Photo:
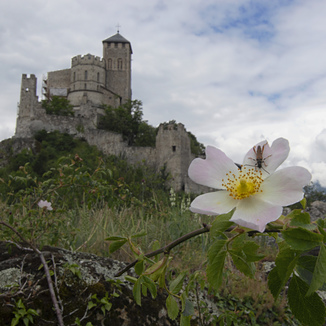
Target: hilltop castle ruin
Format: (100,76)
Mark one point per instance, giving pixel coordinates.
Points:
(88,84)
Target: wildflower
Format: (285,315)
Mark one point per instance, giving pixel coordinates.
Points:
(44,203)
(257,193)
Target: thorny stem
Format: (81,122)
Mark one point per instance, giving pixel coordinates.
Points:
(168,247)
(47,272)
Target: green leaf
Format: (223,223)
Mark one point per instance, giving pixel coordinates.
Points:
(309,310)
(188,308)
(151,286)
(172,307)
(130,279)
(221,223)
(303,203)
(137,291)
(319,275)
(285,263)
(91,305)
(116,238)
(241,263)
(305,268)
(301,219)
(215,266)
(250,249)
(302,239)
(176,284)
(114,246)
(142,233)
(321,223)
(139,267)
(185,320)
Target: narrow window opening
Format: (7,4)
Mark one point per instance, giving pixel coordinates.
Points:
(86,75)
(174,148)
(98,77)
(119,64)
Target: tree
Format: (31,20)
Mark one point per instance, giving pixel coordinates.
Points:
(127,120)
(58,105)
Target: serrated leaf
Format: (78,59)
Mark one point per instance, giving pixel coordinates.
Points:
(215,266)
(309,310)
(279,275)
(176,284)
(305,268)
(321,226)
(319,275)
(302,239)
(188,308)
(114,246)
(241,263)
(185,320)
(221,223)
(302,220)
(250,249)
(172,307)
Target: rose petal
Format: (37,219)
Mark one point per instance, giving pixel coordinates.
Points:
(213,203)
(255,214)
(273,156)
(212,170)
(284,187)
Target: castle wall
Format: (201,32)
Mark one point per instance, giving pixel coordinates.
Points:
(59,78)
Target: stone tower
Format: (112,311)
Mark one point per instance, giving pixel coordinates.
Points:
(28,102)
(173,151)
(117,53)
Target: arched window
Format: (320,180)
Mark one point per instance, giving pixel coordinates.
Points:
(119,64)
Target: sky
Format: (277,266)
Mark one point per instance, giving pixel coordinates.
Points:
(234,72)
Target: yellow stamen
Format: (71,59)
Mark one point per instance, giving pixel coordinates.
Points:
(246,183)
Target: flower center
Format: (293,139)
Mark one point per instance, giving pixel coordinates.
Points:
(246,183)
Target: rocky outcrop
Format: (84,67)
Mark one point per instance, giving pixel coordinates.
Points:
(317,210)
(77,278)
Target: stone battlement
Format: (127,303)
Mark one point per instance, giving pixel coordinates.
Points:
(31,76)
(87,59)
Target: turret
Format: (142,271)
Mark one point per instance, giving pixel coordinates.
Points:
(28,98)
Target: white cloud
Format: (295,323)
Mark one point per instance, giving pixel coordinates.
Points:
(234,72)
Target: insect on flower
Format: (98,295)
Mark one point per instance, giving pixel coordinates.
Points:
(260,159)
